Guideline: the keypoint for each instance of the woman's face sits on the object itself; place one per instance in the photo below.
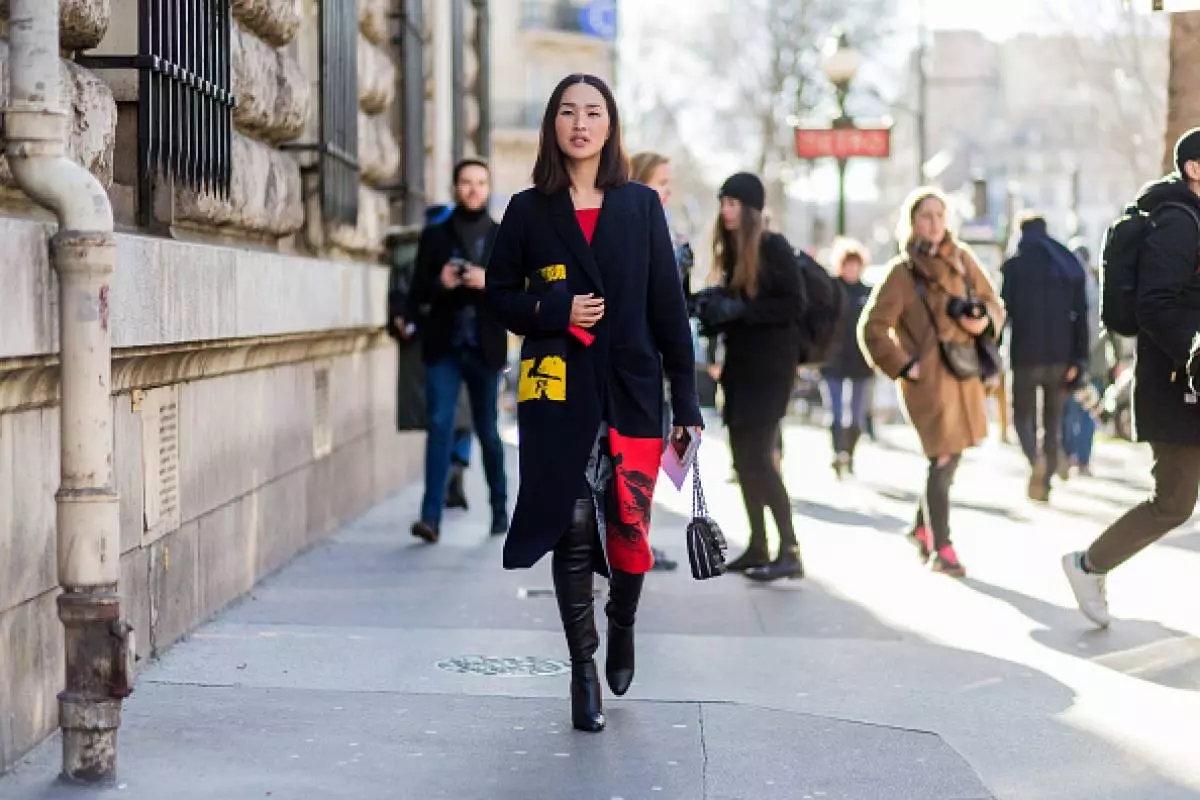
(660, 181)
(582, 124)
(731, 213)
(929, 223)
(851, 269)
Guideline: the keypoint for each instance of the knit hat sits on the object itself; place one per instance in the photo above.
(1187, 149)
(749, 190)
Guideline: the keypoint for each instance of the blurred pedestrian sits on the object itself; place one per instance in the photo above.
(584, 270)
(922, 327)
(847, 364)
(1166, 410)
(1079, 413)
(462, 345)
(756, 308)
(1045, 297)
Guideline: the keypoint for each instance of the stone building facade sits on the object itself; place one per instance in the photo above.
(254, 386)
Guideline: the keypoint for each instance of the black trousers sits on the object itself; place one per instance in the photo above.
(753, 448)
(1028, 382)
(1176, 485)
(934, 510)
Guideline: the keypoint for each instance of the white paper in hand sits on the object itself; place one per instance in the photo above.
(680, 455)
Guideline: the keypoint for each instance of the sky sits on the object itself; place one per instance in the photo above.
(998, 20)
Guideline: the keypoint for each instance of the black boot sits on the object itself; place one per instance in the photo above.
(839, 450)
(571, 569)
(853, 434)
(756, 555)
(787, 565)
(456, 496)
(624, 589)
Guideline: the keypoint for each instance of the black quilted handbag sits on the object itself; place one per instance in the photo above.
(706, 543)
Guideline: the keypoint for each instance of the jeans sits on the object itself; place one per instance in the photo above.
(443, 382)
(1176, 485)
(461, 450)
(1027, 381)
(859, 389)
(934, 510)
(753, 449)
(1079, 430)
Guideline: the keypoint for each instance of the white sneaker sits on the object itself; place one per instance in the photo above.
(1091, 590)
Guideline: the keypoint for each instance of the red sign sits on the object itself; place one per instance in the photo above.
(812, 143)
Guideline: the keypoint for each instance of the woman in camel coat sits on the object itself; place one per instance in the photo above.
(935, 291)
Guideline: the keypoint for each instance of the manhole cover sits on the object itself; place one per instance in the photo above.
(511, 667)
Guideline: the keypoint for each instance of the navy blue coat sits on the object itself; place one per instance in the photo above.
(540, 261)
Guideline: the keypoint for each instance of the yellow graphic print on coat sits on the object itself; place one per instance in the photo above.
(543, 378)
(554, 272)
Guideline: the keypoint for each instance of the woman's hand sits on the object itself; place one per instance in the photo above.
(587, 310)
(975, 327)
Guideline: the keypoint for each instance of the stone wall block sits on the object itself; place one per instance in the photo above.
(274, 21)
(92, 129)
(293, 98)
(273, 94)
(284, 199)
(264, 196)
(254, 66)
(373, 21)
(378, 150)
(376, 77)
(366, 238)
(83, 23)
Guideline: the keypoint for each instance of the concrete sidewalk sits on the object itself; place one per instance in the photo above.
(377, 667)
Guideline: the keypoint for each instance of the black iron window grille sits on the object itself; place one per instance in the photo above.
(337, 145)
(185, 97)
(409, 40)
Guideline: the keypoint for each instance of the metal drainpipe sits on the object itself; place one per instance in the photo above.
(98, 643)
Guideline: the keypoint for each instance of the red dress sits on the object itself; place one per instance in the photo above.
(635, 462)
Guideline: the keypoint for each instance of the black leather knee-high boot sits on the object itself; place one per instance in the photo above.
(625, 589)
(572, 571)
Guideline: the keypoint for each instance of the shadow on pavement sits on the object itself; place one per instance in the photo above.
(840, 515)
(1140, 649)
(912, 498)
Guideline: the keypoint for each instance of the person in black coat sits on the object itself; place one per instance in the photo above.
(1045, 294)
(584, 269)
(1166, 409)
(757, 309)
(461, 343)
(846, 362)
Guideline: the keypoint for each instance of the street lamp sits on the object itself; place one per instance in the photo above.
(841, 65)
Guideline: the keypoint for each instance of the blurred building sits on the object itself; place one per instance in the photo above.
(1066, 126)
(253, 385)
(535, 44)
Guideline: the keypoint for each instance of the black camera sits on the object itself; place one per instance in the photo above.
(966, 307)
(461, 265)
(685, 257)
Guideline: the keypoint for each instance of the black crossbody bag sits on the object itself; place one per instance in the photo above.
(706, 543)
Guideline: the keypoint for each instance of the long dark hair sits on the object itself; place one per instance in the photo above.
(550, 172)
(738, 253)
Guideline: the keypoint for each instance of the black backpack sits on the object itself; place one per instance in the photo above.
(824, 306)
(1119, 266)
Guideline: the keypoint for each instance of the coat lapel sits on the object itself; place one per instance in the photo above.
(567, 227)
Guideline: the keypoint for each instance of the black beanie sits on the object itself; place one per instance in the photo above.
(1187, 149)
(745, 188)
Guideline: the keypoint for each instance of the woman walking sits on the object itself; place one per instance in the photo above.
(583, 269)
(757, 308)
(847, 363)
(920, 328)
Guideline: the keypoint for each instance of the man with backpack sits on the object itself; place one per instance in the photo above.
(1150, 288)
(1045, 293)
